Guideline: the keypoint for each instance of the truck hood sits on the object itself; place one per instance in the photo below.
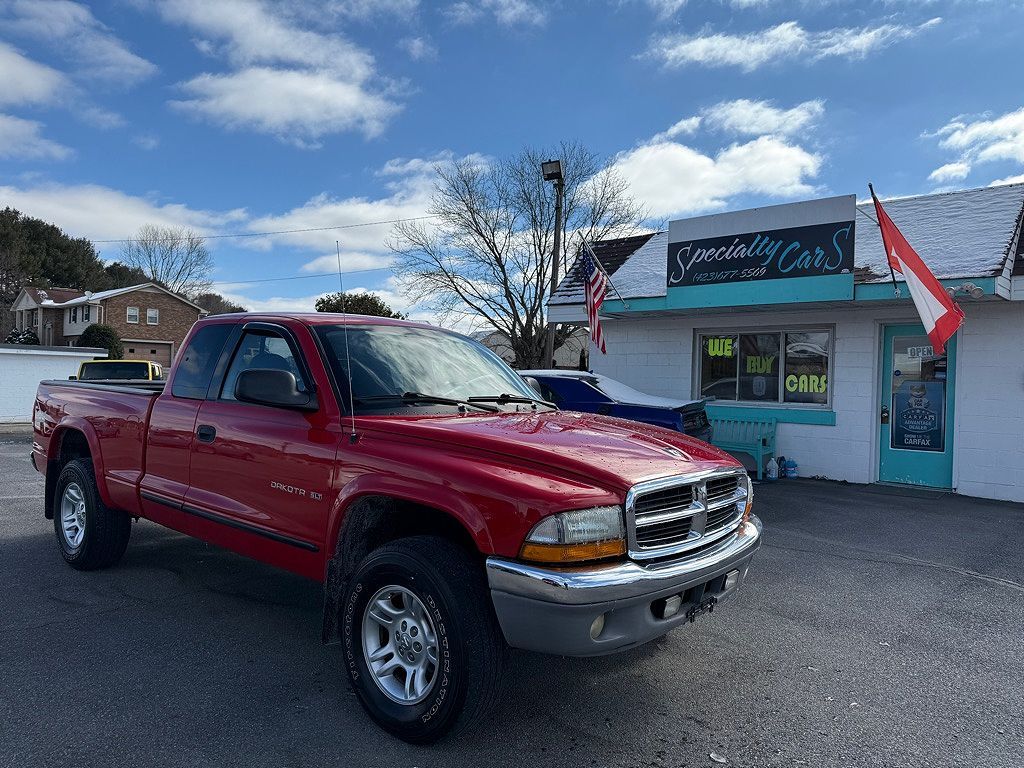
(614, 453)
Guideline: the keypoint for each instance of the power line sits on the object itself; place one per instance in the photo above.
(282, 231)
(298, 277)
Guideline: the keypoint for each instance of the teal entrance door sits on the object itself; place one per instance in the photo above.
(916, 435)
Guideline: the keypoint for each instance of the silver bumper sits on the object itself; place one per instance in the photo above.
(553, 610)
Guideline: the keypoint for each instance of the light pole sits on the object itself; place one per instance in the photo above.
(552, 171)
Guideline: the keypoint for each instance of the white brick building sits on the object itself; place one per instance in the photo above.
(761, 346)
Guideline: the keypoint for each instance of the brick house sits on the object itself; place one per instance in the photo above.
(151, 321)
(34, 309)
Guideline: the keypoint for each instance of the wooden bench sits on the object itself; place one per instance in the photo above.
(747, 435)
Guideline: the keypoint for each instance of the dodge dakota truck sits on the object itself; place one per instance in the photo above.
(448, 510)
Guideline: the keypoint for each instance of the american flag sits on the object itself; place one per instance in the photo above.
(596, 283)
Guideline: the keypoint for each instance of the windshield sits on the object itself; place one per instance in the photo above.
(120, 369)
(394, 360)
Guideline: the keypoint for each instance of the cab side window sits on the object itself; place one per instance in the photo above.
(261, 349)
(194, 369)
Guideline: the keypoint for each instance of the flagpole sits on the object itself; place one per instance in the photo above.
(603, 270)
(892, 273)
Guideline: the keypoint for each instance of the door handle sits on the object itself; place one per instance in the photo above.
(206, 433)
(884, 415)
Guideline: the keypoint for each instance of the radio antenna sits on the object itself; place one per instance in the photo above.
(348, 357)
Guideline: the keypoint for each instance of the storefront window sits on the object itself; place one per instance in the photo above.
(806, 371)
(759, 367)
(766, 367)
(718, 366)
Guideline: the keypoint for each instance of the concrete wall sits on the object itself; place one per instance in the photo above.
(656, 356)
(22, 367)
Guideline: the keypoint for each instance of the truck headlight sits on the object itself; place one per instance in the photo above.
(577, 536)
(746, 503)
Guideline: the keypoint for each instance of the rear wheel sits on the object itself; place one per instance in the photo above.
(90, 535)
(423, 648)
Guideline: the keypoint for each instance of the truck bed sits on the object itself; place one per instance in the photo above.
(114, 417)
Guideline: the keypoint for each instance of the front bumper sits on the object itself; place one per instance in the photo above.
(553, 610)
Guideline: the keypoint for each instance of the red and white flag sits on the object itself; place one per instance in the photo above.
(596, 283)
(940, 315)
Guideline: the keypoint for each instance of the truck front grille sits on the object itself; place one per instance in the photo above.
(669, 516)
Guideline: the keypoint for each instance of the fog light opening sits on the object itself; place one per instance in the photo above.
(672, 606)
(597, 627)
(732, 578)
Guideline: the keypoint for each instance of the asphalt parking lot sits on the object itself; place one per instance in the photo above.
(878, 628)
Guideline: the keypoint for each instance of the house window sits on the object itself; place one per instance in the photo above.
(85, 313)
(133, 315)
(152, 316)
(779, 367)
(74, 314)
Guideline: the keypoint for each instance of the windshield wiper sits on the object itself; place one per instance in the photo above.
(507, 398)
(419, 397)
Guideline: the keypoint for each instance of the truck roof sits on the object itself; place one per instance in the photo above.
(318, 318)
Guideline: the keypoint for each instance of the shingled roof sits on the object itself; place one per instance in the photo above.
(958, 234)
(55, 295)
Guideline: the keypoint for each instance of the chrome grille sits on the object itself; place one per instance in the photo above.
(667, 500)
(672, 515)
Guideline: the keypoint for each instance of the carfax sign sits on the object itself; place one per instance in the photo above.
(812, 239)
(918, 416)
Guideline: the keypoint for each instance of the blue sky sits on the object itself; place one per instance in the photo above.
(234, 116)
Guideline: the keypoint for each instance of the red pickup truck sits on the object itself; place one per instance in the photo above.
(448, 511)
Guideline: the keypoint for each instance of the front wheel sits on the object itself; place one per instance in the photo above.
(423, 649)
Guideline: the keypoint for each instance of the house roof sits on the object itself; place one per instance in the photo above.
(960, 234)
(94, 298)
(611, 253)
(55, 295)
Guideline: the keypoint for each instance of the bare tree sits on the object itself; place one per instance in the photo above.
(175, 257)
(487, 254)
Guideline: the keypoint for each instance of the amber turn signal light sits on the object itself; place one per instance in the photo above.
(567, 554)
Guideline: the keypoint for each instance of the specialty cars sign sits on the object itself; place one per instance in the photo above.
(809, 239)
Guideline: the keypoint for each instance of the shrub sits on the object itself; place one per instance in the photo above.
(28, 336)
(103, 336)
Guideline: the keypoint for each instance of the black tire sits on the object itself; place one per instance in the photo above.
(106, 530)
(471, 649)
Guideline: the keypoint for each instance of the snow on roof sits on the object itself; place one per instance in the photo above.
(91, 298)
(958, 234)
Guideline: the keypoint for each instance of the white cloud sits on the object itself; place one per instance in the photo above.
(756, 118)
(674, 179)
(1008, 180)
(297, 107)
(950, 172)
(784, 42)
(388, 291)
(99, 117)
(507, 12)
(366, 9)
(99, 213)
(418, 48)
(666, 8)
(685, 127)
(351, 261)
(20, 140)
(146, 141)
(296, 84)
(409, 187)
(980, 140)
(26, 81)
(73, 30)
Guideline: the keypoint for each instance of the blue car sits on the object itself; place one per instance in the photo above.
(594, 393)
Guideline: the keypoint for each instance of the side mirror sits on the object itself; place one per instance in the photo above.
(72, 378)
(267, 386)
(533, 383)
